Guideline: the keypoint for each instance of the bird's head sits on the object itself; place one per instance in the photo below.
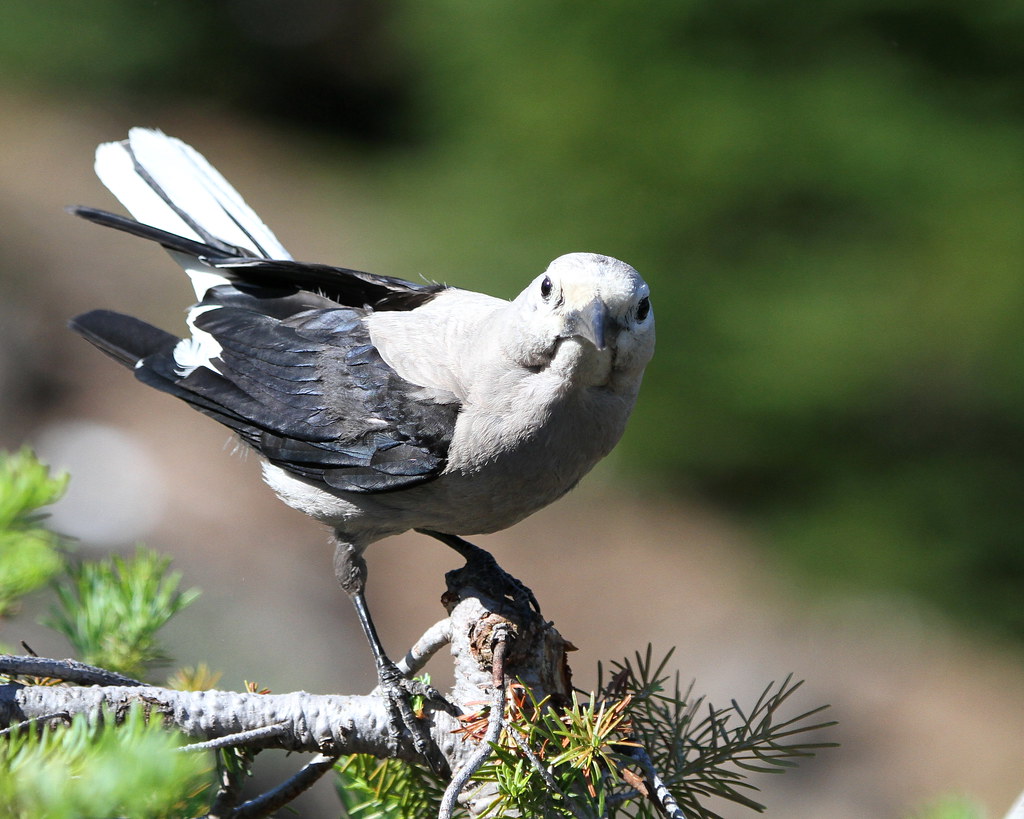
(590, 314)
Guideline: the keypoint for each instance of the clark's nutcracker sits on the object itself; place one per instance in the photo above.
(378, 405)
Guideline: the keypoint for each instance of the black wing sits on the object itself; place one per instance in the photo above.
(307, 389)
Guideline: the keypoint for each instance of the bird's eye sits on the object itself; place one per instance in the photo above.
(643, 308)
(546, 288)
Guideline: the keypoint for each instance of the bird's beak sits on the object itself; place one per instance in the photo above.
(590, 322)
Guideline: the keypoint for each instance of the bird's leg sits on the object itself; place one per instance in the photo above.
(482, 563)
(350, 569)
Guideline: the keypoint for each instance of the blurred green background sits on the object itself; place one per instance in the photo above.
(825, 470)
(827, 199)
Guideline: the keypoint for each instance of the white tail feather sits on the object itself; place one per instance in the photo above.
(116, 169)
(173, 172)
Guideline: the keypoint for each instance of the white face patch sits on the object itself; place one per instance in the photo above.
(592, 297)
(200, 349)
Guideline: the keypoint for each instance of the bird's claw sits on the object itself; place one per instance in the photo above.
(398, 692)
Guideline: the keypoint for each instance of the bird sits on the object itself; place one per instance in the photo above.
(377, 405)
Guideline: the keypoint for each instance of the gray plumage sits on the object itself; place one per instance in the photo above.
(378, 405)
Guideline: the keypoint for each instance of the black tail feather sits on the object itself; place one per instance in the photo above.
(149, 352)
(213, 253)
(124, 338)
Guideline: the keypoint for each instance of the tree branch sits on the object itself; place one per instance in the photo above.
(228, 791)
(67, 670)
(660, 795)
(298, 721)
(247, 738)
(327, 724)
(272, 800)
(494, 636)
(433, 640)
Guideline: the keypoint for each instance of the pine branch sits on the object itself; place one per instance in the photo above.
(67, 670)
(301, 722)
(272, 800)
(553, 753)
(433, 640)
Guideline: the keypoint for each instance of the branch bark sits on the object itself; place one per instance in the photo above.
(302, 722)
(328, 725)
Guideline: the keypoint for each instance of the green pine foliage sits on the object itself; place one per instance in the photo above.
(29, 554)
(586, 751)
(702, 751)
(111, 610)
(101, 768)
(371, 788)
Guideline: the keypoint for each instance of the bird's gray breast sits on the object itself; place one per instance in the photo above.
(511, 458)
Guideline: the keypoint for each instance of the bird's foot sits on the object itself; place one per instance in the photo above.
(487, 574)
(497, 581)
(398, 692)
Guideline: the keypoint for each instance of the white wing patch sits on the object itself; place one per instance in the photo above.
(200, 349)
(202, 276)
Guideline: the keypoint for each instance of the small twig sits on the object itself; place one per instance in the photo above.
(61, 715)
(267, 803)
(433, 640)
(67, 670)
(662, 798)
(495, 722)
(241, 738)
